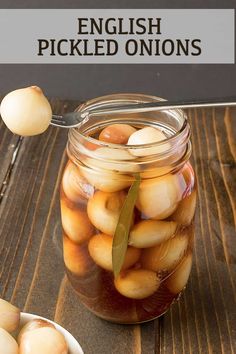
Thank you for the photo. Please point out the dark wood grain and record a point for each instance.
(31, 267)
(9, 146)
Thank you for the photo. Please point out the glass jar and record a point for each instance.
(95, 183)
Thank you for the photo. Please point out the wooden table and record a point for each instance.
(31, 266)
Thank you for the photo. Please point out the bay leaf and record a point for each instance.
(121, 236)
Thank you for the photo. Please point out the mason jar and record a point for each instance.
(95, 184)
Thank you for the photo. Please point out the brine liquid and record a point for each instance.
(95, 285)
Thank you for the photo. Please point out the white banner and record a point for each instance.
(107, 36)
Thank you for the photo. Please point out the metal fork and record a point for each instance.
(73, 119)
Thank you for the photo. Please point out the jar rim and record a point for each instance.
(118, 98)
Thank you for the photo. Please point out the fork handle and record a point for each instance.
(161, 105)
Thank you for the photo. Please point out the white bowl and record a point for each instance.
(74, 347)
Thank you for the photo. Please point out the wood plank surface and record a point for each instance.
(31, 266)
(9, 146)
